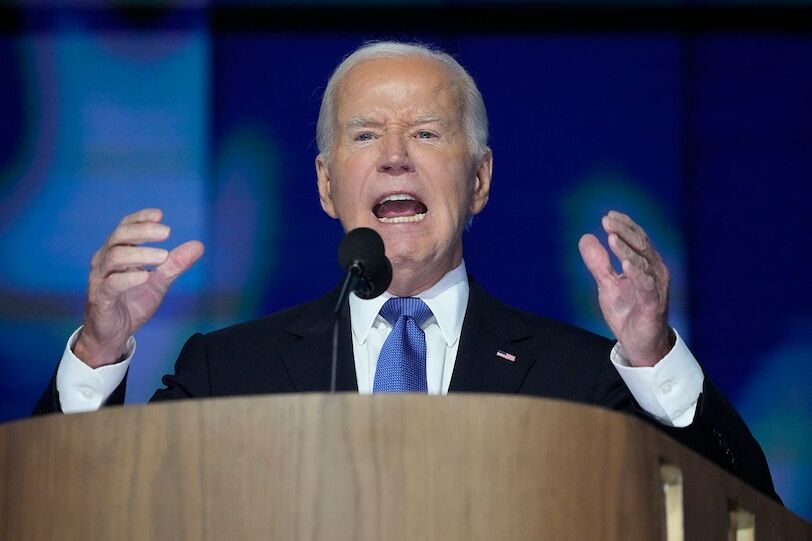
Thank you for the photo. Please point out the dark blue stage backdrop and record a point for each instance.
(706, 140)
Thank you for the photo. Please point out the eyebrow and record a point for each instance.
(429, 120)
(369, 122)
(361, 122)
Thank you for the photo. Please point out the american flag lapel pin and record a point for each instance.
(506, 356)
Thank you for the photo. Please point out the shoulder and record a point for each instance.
(522, 324)
(282, 326)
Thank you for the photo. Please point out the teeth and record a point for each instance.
(399, 197)
(403, 219)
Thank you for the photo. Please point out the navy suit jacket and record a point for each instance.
(290, 351)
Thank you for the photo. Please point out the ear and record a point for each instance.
(482, 183)
(323, 180)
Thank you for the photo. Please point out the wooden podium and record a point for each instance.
(346, 467)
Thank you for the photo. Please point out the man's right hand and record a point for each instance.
(122, 295)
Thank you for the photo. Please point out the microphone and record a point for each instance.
(369, 273)
(361, 254)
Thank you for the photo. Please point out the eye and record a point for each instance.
(363, 136)
(425, 134)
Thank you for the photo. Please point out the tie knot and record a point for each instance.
(412, 307)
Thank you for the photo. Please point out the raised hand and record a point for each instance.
(122, 294)
(635, 302)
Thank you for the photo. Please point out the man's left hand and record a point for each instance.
(635, 302)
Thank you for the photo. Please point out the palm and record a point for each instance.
(634, 303)
(122, 294)
(136, 306)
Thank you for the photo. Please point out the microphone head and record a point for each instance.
(363, 249)
(363, 245)
(372, 286)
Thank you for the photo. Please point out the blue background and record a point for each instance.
(704, 137)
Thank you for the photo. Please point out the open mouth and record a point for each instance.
(399, 208)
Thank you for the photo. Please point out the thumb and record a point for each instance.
(178, 261)
(596, 258)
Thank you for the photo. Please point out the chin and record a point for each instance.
(401, 254)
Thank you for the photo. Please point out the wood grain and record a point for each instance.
(335, 467)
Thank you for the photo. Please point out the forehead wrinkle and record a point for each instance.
(369, 122)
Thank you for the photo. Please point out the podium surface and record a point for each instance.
(366, 467)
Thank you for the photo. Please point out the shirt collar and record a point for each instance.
(447, 300)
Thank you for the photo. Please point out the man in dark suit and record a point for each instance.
(402, 135)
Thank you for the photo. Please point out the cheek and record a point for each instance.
(348, 203)
(347, 186)
(460, 189)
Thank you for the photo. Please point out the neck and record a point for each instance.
(411, 281)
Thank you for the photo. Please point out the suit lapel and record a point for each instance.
(489, 327)
(493, 355)
(308, 358)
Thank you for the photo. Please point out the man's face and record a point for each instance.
(400, 164)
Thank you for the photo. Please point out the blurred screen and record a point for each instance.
(704, 137)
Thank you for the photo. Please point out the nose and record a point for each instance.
(395, 159)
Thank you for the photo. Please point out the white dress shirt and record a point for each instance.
(447, 300)
(669, 391)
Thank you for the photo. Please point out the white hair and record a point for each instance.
(474, 116)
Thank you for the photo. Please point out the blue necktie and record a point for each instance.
(402, 363)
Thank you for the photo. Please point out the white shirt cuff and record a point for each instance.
(669, 390)
(82, 388)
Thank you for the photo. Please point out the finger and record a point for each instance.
(623, 218)
(632, 234)
(120, 282)
(119, 258)
(596, 259)
(642, 281)
(143, 215)
(624, 252)
(138, 233)
(178, 261)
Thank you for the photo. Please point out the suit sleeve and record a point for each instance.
(721, 435)
(49, 400)
(717, 432)
(188, 381)
(192, 376)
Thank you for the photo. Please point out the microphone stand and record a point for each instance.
(354, 276)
